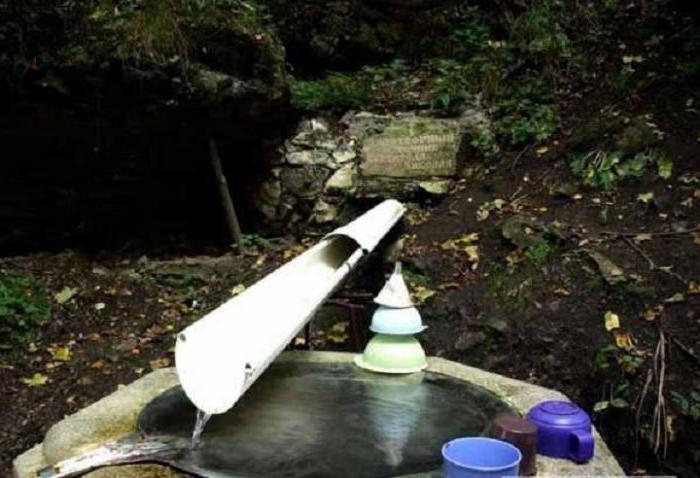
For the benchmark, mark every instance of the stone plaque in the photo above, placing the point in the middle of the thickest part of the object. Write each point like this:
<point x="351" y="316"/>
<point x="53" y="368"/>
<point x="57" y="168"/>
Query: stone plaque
<point x="413" y="147"/>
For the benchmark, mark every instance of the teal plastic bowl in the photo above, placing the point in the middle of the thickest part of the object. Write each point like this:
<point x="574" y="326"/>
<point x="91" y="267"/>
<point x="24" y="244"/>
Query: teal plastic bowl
<point x="392" y="354"/>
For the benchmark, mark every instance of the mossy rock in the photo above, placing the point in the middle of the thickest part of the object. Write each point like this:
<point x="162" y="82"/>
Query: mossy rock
<point x="350" y="33"/>
<point x="176" y="40"/>
<point x="636" y="137"/>
<point x="596" y="134"/>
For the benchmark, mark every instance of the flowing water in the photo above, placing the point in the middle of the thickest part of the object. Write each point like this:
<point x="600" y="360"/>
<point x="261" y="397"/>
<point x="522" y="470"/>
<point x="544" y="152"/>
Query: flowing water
<point x="199" y="424"/>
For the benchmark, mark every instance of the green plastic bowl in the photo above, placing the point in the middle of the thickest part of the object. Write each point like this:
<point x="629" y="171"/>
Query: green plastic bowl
<point x="392" y="354"/>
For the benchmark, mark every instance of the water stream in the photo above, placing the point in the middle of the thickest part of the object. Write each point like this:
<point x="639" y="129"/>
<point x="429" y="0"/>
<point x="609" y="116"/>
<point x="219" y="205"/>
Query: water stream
<point x="199" y="424"/>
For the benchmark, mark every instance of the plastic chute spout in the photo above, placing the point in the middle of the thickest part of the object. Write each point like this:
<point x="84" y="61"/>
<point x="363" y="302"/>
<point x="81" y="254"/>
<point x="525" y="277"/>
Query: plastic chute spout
<point x="222" y="354"/>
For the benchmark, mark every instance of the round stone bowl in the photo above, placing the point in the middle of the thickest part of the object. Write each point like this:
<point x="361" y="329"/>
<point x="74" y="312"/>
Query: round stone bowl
<point x="310" y="414"/>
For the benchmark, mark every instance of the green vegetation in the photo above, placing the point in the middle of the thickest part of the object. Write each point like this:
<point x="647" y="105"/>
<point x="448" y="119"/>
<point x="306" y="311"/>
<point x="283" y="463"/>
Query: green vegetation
<point x="602" y="169"/>
<point x="507" y="290"/>
<point x="539" y="251"/>
<point x="689" y="406"/>
<point x="178" y="38"/>
<point x="617" y="367"/>
<point x="538" y="36"/>
<point x="255" y="241"/>
<point x="336" y="91"/>
<point x="165" y="31"/>
<point x="525" y="116"/>
<point x="23" y="307"/>
<point x="478" y="69"/>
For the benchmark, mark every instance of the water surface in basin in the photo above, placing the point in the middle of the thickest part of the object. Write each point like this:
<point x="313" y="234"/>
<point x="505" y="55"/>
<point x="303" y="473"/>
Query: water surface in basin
<point x="327" y="420"/>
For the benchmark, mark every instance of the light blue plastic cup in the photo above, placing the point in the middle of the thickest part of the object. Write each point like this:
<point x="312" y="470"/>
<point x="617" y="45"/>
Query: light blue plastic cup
<point x="478" y="457"/>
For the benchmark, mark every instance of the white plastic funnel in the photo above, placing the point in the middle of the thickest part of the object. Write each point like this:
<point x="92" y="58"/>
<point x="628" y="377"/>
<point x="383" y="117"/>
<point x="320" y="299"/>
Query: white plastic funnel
<point x="395" y="292"/>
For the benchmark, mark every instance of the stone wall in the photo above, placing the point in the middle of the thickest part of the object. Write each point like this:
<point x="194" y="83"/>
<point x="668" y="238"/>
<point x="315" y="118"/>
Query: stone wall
<point x="323" y="167"/>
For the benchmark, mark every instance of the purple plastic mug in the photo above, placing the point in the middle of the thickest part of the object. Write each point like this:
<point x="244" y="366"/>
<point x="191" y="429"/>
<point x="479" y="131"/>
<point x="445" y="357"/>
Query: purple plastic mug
<point x="563" y="430"/>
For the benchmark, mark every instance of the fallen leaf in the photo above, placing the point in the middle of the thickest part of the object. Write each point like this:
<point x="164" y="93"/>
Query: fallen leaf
<point x="645" y="197"/>
<point x="293" y="251"/>
<point x="62" y="354"/>
<point x="619" y="403"/>
<point x="642" y="237"/>
<point x="416" y="217"/>
<point x="515" y="256"/>
<point x="260" y="261"/>
<point x="449" y="285"/>
<point x="542" y="150"/>
<point x="612" y="321"/>
<point x="485" y="209"/>
<point x="421" y="294"/>
<point x="237" y="289"/>
<point x="472" y="253"/>
<point x="160" y="363"/>
<point x="623" y="340"/>
<point x="98" y="364"/>
<point x="608" y="269"/>
<point x="464" y="244"/>
<point x="675" y="298"/>
<point x="338" y="333"/>
<point x="35" y="380"/>
<point x="694" y="288"/>
<point x="66" y="294"/>
<point x="299" y="341"/>
<point x="562" y="291"/>
<point x="100" y="306"/>
<point x="652" y="313"/>
<point x="664" y="167"/>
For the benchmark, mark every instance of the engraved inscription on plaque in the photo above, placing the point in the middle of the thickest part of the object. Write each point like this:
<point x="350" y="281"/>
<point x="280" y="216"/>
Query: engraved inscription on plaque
<point x="412" y="149"/>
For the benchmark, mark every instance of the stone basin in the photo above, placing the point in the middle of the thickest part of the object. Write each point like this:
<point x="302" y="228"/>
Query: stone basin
<point x="311" y="414"/>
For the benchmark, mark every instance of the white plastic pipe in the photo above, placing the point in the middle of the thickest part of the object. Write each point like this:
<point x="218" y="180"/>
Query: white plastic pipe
<point x="222" y="354"/>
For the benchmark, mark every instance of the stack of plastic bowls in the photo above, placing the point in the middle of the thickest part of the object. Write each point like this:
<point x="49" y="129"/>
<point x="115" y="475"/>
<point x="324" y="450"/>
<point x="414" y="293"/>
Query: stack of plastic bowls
<point x="394" y="349"/>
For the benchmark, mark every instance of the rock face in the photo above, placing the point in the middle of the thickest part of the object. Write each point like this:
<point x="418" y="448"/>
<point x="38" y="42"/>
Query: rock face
<point x="323" y="168"/>
<point x="119" y="102"/>
<point x="348" y="32"/>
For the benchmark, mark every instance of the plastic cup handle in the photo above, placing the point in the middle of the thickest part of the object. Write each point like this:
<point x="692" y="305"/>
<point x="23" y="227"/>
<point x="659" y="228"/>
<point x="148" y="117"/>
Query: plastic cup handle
<point x="582" y="445"/>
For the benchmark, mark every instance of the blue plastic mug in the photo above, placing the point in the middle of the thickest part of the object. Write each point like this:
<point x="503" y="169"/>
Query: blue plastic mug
<point x="479" y="457"/>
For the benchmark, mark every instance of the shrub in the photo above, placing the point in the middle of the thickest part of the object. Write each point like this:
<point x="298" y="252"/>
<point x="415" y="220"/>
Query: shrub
<point x="524" y="115"/>
<point x="23" y="306"/>
<point x="538" y="34"/>
<point x="336" y="91"/>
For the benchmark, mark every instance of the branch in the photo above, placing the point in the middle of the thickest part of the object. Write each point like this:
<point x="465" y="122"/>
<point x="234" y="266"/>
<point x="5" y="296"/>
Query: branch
<point x="225" y="196"/>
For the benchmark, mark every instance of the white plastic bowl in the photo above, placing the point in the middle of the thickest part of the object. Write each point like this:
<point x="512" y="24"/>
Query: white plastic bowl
<point x="390" y="321"/>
